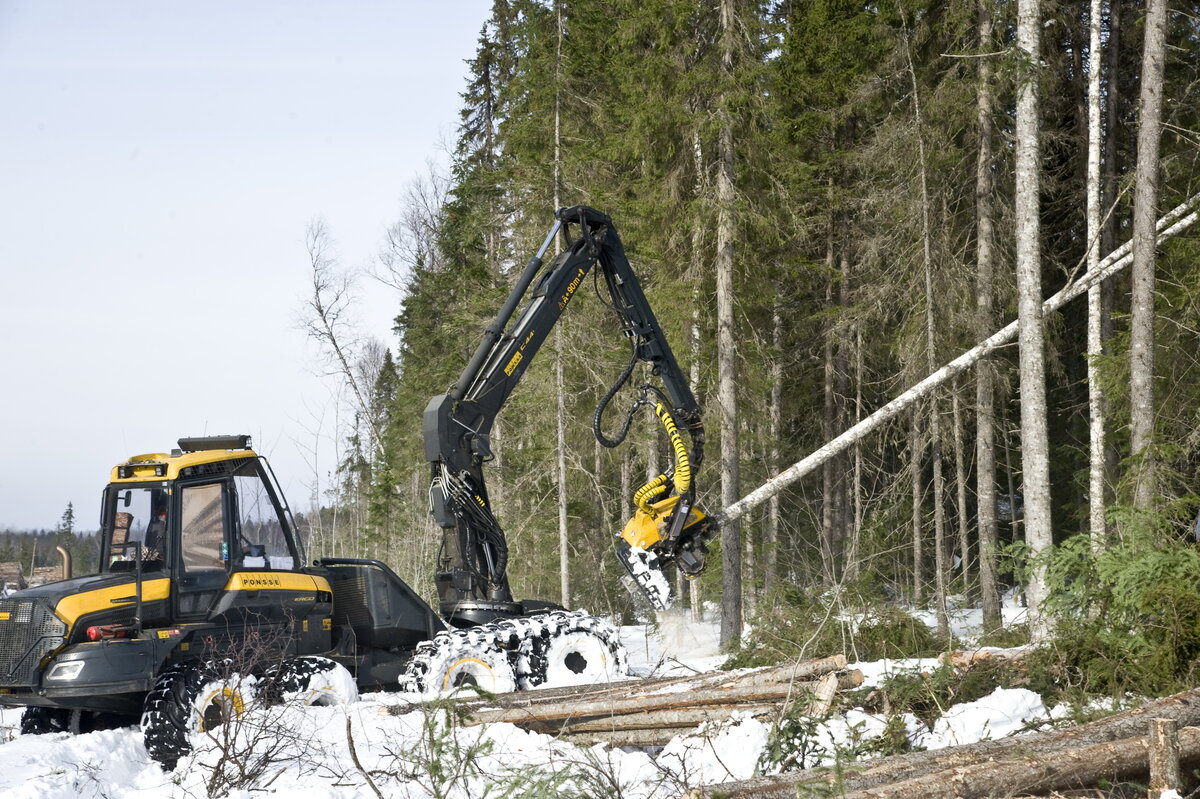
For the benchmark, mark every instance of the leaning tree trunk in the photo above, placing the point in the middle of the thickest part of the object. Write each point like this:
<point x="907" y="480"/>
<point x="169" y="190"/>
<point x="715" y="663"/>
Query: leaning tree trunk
<point x="1179" y="219"/>
<point x="1145" y="203"/>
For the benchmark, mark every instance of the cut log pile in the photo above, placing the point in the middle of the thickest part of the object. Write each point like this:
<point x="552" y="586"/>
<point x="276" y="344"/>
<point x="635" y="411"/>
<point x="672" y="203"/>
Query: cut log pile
<point x="650" y="712"/>
<point x="1110" y="750"/>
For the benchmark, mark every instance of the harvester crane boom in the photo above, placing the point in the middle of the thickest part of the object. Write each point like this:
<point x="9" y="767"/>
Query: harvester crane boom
<point x="472" y="577"/>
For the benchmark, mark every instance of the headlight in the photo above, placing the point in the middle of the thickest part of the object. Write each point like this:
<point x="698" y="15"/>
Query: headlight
<point x="67" y="670"/>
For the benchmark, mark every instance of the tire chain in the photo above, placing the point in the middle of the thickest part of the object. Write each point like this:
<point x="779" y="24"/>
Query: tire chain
<point x="525" y="641"/>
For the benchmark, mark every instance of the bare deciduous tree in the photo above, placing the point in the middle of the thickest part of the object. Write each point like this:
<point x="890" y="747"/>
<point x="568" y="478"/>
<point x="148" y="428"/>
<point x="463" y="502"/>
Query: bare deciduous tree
<point x="327" y="318"/>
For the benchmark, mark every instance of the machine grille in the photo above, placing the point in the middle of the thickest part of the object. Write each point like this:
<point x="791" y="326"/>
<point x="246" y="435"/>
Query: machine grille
<point x="350" y="601"/>
<point x="29" y="631"/>
<point x="214" y="469"/>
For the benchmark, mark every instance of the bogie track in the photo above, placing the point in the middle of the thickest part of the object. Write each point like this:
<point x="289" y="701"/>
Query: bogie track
<point x="563" y="646"/>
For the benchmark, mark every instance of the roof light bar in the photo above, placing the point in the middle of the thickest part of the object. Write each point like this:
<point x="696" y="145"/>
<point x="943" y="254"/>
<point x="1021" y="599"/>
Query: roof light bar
<point x="202" y="443"/>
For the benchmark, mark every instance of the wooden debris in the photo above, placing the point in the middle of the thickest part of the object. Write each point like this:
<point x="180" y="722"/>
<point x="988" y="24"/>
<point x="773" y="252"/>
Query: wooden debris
<point x="965" y="659"/>
<point x="1164" y="756"/>
<point x="823" y="694"/>
<point x="651" y="712"/>
<point x="1128" y="727"/>
<point x="1035" y="772"/>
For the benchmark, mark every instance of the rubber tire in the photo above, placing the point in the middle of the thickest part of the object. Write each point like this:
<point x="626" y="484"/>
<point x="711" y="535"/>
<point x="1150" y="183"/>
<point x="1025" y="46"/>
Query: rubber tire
<point x="579" y="657"/>
<point x="172" y="711"/>
<point x="45" y="720"/>
<point x="462" y="666"/>
<point x="313" y="680"/>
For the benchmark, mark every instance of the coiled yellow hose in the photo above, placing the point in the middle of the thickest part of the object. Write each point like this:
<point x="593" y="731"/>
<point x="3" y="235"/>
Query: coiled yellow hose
<point x="682" y="477"/>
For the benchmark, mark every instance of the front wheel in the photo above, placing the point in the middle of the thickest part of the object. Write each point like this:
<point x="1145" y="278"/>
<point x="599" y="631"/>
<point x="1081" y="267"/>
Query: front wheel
<point x="189" y="698"/>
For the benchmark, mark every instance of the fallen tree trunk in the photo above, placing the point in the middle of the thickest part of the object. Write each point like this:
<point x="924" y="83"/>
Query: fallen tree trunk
<point x="1184" y="707"/>
<point x="1171" y="224"/>
<point x="729" y="696"/>
<point x="1064" y="769"/>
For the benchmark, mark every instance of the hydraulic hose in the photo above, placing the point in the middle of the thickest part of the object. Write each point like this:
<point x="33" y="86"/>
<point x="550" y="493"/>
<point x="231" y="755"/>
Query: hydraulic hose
<point x="683" y="464"/>
<point x="680" y="474"/>
<point x="598" y="418"/>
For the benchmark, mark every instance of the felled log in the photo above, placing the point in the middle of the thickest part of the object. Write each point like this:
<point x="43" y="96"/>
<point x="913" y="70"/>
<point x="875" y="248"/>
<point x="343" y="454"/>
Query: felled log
<point x="559" y="714"/>
<point x="966" y="658"/>
<point x="1035" y="772"/>
<point x="1184" y="707"/>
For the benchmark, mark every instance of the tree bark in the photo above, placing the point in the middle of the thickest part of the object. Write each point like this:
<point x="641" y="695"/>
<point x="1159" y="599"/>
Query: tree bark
<point x="916" y="448"/>
<point x="935" y="425"/>
<point x="1164" y="757"/>
<point x="771" y="539"/>
<point x="853" y="556"/>
<point x="1035" y="443"/>
<point x="1034" y="773"/>
<point x="1095" y="343"/>
<point x="985" y="420"/>
<point x="731" y="566"/>
<point x="828" y="430"/>
<point x="960" y="484"/>
<point x="1183" y="707"/>
<point x="694" y="596"/>
<point x="1145" y="203"/>
<point x="564" y="559"/>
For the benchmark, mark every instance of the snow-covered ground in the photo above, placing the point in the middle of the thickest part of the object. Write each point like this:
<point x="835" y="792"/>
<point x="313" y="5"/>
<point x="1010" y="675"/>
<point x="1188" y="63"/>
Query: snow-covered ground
<point x="363" y="751"/>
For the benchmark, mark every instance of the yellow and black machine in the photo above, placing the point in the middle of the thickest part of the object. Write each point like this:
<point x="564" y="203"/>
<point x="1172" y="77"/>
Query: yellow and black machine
<point x="204" y="596"/>
<point x="667" y="528"/>
<point x="202" y="575"/>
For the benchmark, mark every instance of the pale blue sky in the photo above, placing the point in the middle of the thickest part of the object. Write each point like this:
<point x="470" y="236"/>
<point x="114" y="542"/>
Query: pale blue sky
<point x="159" y="163"/>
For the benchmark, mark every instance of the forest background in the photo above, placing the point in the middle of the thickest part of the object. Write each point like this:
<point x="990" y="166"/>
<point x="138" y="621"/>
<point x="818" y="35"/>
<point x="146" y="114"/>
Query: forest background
<point x="825" y="202"/>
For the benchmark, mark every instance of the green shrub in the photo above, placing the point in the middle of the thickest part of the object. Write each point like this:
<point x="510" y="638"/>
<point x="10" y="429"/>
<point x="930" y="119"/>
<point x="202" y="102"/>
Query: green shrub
<point x="1128" y="619"/>
<point x="863" y="627"/>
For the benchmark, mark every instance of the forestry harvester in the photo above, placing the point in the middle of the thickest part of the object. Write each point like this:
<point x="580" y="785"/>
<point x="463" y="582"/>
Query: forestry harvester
<point x="204" y="597"/>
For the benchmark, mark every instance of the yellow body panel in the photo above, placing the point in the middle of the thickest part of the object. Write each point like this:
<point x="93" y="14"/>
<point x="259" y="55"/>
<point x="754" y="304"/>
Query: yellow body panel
<point x="276" y="581"/>
<point x="174" y="463"/>
<point x="645" y="530"/>
<point x="70" y="608"/>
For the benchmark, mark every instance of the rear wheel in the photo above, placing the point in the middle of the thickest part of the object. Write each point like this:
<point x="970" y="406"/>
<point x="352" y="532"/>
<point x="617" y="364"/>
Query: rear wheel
<point x="584" y="649"/>
<point x="189" y="698"/>
<point x="313" y="680"/>
<point x="459" y="664"/>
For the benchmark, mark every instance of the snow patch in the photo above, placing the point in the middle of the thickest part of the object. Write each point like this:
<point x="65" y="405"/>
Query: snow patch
<point x="1003" y="712"/>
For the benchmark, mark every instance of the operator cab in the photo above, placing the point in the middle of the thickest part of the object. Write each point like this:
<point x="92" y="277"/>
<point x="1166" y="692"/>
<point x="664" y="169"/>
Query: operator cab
<point x="209" y="508"/>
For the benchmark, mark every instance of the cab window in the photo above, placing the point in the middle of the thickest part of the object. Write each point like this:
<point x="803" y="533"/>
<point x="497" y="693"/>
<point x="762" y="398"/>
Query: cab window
<point x="263" y="543"/>
<point x="203" y="528"/>
<point x="138" y="516"/>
